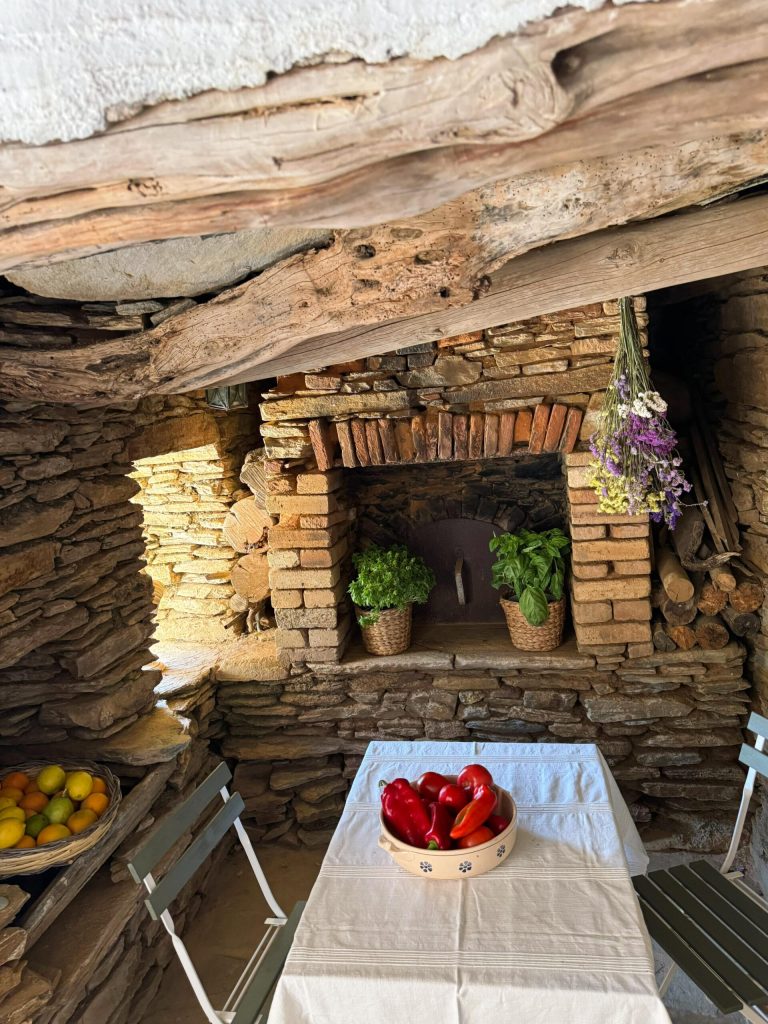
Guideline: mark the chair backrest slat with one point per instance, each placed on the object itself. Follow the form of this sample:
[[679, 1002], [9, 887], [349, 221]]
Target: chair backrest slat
[[758, 724], [180, 821], [754, 759], [178, 876]]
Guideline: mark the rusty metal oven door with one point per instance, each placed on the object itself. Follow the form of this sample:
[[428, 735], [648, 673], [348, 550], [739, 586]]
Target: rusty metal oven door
[[457, 552]]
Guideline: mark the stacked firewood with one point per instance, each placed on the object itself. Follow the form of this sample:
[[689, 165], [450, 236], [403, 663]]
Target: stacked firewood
[[245, 529], [705, 592]]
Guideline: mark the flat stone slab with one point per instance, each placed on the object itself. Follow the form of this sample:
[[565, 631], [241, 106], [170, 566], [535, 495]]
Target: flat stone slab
[[186, 667], [489, 647], [252, 659], [152, 739], [419, 658]]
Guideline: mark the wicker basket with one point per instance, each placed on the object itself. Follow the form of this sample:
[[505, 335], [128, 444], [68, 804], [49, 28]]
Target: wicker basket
[[53, 855], [526, 637], [391, 633]]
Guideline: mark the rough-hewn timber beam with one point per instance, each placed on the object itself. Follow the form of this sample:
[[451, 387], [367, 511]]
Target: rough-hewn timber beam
[[690, 246], [289, 317], [350, 145]]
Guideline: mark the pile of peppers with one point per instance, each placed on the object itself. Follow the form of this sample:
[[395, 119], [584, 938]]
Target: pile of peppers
[[437, 814]]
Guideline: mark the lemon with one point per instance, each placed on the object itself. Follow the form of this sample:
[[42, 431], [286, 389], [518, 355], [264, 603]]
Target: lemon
[[58, 810], [6, 801], [79, 785], [36, 824], [17, 813], [11, 832], [51, 779]]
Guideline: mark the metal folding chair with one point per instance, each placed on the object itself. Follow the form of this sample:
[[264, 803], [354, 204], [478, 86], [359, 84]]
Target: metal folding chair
[[249, 1000], [710, 922]]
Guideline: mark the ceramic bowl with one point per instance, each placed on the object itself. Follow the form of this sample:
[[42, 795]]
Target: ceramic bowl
[[457, 864]]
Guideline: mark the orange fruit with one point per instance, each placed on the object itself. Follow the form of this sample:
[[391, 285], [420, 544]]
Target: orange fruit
[[81, 820], [30, 814], [33, 801], [99, 785], [16, 780], [25, 843], [32, 787], [96, 802], [52, 834], [12, 792]]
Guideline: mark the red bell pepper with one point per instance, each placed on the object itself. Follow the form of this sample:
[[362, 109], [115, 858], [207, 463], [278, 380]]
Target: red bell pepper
[[497, 823], [441, 822], [404, 812], [480, 835], [430, 784], [473, 775], [475, 813], [453, 797]]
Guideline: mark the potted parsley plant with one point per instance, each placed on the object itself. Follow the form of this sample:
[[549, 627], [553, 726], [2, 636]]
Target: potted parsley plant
[[387, 583], [530, 568]]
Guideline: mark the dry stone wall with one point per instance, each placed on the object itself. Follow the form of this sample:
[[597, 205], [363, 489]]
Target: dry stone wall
[[185, 495], [728, 329], [668, 724], [76, 609]]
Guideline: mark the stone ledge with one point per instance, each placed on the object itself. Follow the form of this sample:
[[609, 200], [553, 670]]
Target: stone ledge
[[441, 648]]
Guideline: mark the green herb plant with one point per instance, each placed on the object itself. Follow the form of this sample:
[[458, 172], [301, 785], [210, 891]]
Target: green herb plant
[[532, 566], [388, 578]]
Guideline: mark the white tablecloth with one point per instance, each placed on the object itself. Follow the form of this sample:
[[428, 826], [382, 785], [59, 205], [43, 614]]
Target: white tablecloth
[[552, 936]]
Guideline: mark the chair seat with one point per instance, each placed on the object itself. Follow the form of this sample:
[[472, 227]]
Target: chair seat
[[261, 984], [712, 929]]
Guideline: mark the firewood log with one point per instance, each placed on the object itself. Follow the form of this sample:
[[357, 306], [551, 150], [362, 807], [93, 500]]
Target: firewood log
[[710, 632], [746, 596], [720, 574], [661, 641], [741, 623], [683, 636], [687, 535], [250, 576], [675, 580], [711, 600]]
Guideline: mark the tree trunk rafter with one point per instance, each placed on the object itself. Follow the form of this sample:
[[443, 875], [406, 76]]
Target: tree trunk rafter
[[622, 114], [347, 145]]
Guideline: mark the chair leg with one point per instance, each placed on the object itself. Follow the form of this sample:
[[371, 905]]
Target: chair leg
[[667, 980]]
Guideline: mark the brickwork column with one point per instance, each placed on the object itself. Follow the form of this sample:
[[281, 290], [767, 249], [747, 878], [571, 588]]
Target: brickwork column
[[611, 572], [308, 549]]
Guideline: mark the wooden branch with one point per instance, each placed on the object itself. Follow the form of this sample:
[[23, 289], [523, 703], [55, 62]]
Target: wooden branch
[[352, 144], [687, 536]]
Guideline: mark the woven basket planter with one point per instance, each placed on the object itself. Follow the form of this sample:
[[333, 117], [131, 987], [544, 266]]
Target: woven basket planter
[[54, 855], [526, 637], [391, 633]]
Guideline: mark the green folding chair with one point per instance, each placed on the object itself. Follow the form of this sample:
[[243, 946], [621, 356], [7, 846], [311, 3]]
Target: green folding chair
[[710, 922], [250, 999]]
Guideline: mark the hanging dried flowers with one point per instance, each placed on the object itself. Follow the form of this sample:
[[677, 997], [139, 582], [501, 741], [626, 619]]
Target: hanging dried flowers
[[636, 466]]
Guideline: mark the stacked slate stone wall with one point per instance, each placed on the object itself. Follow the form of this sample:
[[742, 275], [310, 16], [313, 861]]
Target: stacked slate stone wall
[[189, 480], [668, 724], [724, 334]]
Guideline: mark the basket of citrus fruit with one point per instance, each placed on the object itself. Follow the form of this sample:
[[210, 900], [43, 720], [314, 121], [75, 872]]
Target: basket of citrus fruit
[[51, 813]]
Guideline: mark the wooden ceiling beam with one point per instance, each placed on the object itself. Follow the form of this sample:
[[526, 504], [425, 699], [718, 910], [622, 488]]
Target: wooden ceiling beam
[[349, 145]]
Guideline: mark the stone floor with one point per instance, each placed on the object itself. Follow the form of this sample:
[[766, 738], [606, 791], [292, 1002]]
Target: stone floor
[[228, 927]]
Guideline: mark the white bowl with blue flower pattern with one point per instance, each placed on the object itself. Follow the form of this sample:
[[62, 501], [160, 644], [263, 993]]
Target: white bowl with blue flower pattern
[[457, 864]]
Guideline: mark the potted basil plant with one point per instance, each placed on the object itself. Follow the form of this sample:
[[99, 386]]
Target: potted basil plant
[[530, 568], [387, 583]]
